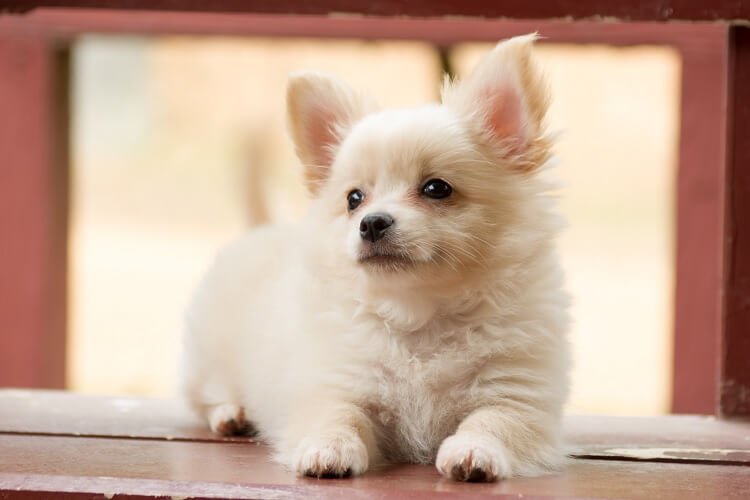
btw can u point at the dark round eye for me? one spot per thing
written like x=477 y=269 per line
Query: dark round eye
x=436 y=189
x=355 y=198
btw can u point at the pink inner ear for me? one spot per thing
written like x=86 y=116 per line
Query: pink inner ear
x=505 y=116
x=321 y=136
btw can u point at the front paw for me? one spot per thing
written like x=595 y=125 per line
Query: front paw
x=472 y=457
x=229 y=420
x=331 y=457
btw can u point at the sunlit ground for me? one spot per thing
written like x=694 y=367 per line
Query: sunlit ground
x=179 y=144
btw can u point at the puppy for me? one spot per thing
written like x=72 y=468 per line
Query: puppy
x=417 y=313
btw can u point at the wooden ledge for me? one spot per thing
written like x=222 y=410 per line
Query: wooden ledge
x=75 y=446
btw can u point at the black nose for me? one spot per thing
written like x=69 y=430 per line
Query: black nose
x=374 y=226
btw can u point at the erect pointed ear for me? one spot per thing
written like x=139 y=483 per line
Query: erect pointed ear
x=321 y=110
x=507 y=98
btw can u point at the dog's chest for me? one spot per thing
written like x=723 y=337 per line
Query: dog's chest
x=419 y=397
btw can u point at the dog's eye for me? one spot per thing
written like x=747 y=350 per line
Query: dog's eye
x=355 y=198
x=437 y=189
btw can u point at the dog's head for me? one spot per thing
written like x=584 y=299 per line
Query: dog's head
x=423 y=193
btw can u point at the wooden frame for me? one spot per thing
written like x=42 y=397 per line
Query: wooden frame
x=735 y=348
x=596 y=10
x=711 y=372
x=33 y=211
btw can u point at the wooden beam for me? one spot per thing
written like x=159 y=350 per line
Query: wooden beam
x=33 y=212
x=735 y=348
x=631 y=10
x=65 y=24
x=700 y=212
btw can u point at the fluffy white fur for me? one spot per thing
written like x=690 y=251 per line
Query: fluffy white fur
x=449 y=346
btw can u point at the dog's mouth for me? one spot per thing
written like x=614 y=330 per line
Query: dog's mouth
x=388 y=260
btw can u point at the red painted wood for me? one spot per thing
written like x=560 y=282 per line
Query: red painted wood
x=735 y=354
x=42 y=486
x=693 y=10
x=672 y=438
x=682 y=438
x=97 y=465
x=68 y=23
x=33 y=207
x=700 y=212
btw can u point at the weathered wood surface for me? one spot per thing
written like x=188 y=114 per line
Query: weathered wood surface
x=89 y=446
x=58 y=413
x=231 y=470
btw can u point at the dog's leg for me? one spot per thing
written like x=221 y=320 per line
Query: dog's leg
x=338 y=441
x=228 y=419
x=497 y=442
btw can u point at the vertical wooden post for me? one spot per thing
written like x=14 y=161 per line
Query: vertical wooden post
x=700 y=213
x=33 y=211
x=735 y=348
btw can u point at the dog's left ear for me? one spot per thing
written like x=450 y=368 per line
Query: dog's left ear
x=321 y=110
x=505 y=98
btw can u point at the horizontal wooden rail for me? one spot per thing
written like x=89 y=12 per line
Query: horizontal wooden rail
x=598 y=10
x=63 y=24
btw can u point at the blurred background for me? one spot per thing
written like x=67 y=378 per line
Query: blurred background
x=179 y=145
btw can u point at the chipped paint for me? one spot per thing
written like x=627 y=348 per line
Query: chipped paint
x=664 y=453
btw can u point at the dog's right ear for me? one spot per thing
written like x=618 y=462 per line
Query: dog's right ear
x=505 y=99
x=321 y=110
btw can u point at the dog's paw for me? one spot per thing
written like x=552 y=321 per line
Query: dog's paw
x=331 y=457
x=472 y=457
x=228 y=420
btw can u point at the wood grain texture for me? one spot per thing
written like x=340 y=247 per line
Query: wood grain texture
x=56 y=413
x=109 y=466
x=63 y=445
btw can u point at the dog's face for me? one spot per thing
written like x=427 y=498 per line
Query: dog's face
x=414 y=192
x=424 y=193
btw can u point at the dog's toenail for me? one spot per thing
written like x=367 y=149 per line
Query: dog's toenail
x=477 y=475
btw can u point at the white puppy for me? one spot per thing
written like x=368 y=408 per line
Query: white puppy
x=417 y=313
